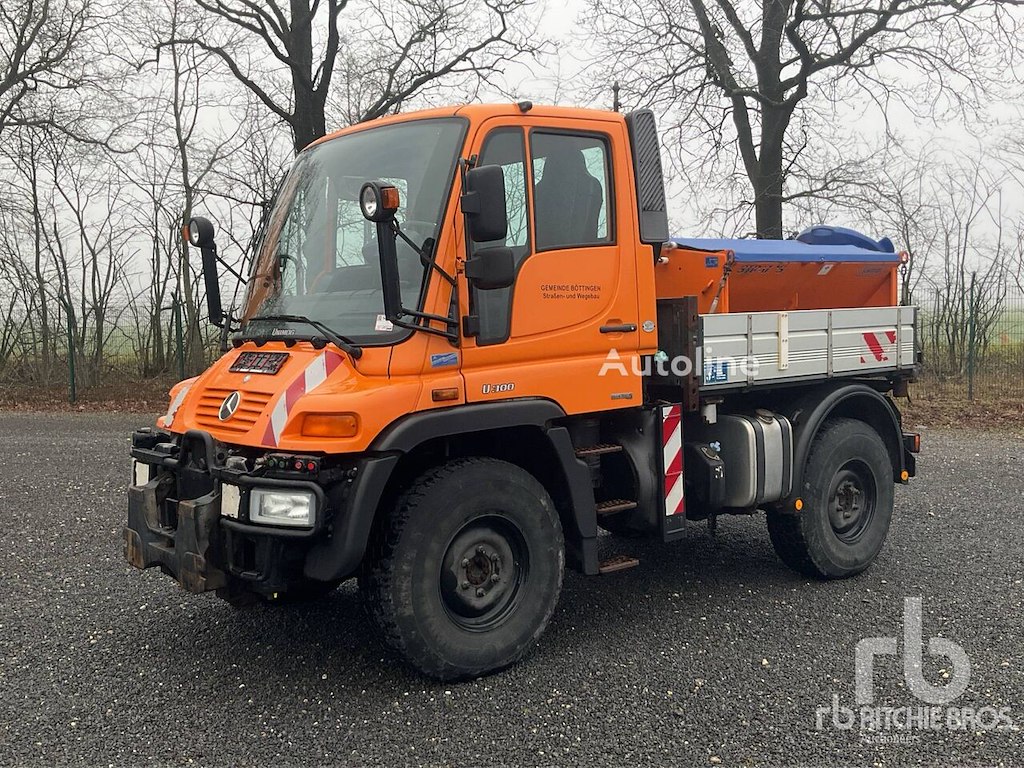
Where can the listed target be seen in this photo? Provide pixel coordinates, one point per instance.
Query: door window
(570, 190)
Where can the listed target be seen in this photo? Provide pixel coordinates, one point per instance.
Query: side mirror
(200, 234)
(483, 203)
(491, 269)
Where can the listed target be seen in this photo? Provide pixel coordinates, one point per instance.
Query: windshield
(320, 258)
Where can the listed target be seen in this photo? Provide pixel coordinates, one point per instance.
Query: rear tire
(464, 574)
(847, 496)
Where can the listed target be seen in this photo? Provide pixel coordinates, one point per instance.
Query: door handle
(625, 328)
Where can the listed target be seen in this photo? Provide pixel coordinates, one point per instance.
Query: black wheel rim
(483, 573)
(852, 500)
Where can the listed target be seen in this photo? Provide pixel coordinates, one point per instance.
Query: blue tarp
(795, 250)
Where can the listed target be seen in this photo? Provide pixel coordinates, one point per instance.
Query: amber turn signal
(330, 425)
(443, 395)
(389, 197)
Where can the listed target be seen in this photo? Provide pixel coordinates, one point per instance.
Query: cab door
(568, 328)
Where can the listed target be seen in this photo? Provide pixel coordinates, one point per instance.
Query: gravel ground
(709, 653)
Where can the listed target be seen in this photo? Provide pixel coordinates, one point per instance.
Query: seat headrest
(569, 163)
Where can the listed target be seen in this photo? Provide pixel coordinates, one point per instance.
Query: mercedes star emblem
(229, 406)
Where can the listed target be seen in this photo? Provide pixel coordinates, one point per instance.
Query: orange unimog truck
(468, 343)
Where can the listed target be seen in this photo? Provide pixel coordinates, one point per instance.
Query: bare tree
(414, 44)
(404, 50)
(186, 69)
(39, 42)
(749, 72)
(970, 278)
(29, 245)
(91, 252)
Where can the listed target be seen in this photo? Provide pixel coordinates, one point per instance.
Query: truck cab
(444, 380)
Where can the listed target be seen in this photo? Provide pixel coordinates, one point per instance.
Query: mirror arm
(226, 330)
(232, 270)
(451, 325)
(428, 257)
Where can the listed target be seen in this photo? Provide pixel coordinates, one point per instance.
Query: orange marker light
(330, 425)
(799, 504)
(904, 475)
(442, 395)
(389, 197)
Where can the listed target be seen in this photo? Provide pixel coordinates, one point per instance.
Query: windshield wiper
(337, 340)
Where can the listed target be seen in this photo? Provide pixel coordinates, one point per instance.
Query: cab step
(617, 563)
(598, 450)
(612, 506)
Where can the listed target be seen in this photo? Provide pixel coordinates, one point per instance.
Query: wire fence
(82, 354)
(972, 344)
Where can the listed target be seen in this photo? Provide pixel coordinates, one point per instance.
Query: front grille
(250, 407)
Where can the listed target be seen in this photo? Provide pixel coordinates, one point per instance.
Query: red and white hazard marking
(175, 405)
(316, 373)
(672, 448)
(877, 346)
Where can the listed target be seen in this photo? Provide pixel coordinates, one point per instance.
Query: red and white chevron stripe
(313, 376)
(876, 345)
(672, 454)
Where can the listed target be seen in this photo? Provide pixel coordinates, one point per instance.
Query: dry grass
(995, 406)
(140, 396)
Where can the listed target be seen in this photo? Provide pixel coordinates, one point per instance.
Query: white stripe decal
(316, 373)
(279, 417)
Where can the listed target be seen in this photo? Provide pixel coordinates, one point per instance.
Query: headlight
(200, 232)
(369, 201)
(279, 507)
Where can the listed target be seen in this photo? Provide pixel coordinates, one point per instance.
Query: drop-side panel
(749, 348)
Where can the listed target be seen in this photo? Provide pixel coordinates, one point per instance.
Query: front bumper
(175, 521)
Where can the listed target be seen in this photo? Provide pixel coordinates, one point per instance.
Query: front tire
(847, 499)
(464, 574)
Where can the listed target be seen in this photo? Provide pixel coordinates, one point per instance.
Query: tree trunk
(309, 122)
(768, 186)
(768, 207)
